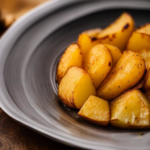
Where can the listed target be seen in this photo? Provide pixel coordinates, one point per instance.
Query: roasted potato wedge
(145, 54)
(97, 63)
(130, 110)
(92, 32)
(86, 42)
(140, 39)
(95, 110)
(125, 74)
(75, 88)
(115, 52)
(119, 32)
(71, 57)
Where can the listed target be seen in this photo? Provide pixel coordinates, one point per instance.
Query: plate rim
(7, 108)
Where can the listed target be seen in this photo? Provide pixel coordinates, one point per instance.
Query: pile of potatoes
(106, 75)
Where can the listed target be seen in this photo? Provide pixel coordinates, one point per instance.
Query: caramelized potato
(75, 88)
(71, 57)
(130, 110)
(125, 74)
(145, 54)
(119, 32)
(92, 32)
(86, 42)
(98, 63)
(95, 110)
(140, 39)
(115, 52)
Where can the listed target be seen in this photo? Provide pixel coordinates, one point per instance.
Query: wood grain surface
(14, 136)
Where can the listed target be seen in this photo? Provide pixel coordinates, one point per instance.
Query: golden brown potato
(86, 42)
(93, 32)
(71, 57)
(97, 63)
(130, 110)
(115, 52)
(119, 32)
(125, 74)
(140, 39)
(75, 88)
(145, 54)
(95, 110)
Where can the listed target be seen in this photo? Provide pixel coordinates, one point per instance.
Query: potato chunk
(119, 32)
(145, 54)
(92, 32)
(97, 63)
(86, 42)
(71, 57)
(75, 88)
(115, 52)
(125, 74)
(95, 110)
(130, 110)
(140, 39)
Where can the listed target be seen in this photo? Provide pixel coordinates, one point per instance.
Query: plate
(29, 54)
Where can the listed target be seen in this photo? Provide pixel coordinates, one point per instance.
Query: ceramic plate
(29, 54)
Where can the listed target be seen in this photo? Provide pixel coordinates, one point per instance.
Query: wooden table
(14, 136)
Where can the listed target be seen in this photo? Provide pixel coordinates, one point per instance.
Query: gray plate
(29, 53)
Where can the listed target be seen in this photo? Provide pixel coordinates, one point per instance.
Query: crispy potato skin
(86, 42)
(75, 87)
(140, 39)
(97, 63)
(126, 73)
(95, 110)
(145, 54)
(130, 110)
(119, 32)
(71, 57)
(115, 52)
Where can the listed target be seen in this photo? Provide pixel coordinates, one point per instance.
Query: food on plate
(98, 63)
(115, 52)
(105, 72)
(95, 110)
(75, 87)
(125, 74)
(71, 57)
(140, 39)
(145, 53)
(119, 32)
(93, 32)
(130, 110)
(86, 42)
